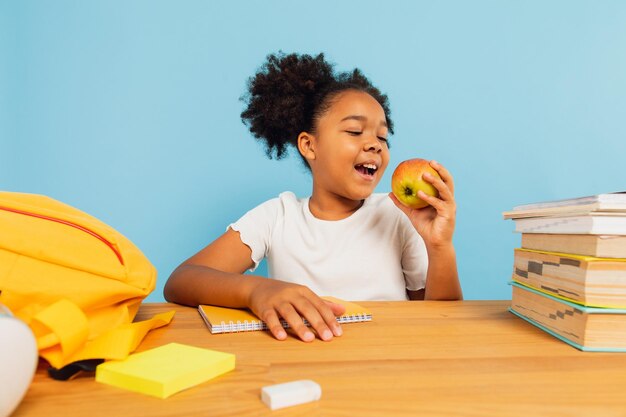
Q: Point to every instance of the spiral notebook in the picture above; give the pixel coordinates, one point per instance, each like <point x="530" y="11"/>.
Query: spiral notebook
<point x="231" y="320"/>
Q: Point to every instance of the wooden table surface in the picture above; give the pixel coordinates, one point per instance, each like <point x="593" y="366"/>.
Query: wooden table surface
<point x="429" y="358"/>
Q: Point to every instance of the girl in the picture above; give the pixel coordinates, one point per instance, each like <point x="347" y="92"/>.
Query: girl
<point x="343" y="240"/>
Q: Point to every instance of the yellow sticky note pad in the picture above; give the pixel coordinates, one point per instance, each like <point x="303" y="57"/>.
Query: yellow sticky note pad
<point x="165" y="370"/>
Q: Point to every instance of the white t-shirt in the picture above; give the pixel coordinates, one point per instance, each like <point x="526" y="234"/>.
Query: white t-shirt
<point x="374" y="254"/>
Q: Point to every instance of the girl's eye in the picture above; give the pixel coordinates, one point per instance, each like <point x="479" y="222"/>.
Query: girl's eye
<point x="382" y="139"/>
<point x="353" y="132"/>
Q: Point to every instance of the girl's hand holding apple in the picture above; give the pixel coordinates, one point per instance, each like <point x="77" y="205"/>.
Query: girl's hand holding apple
<point x="424" y="191"/>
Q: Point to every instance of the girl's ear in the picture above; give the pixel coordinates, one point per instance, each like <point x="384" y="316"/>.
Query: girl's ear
<point x="306" y="145"/>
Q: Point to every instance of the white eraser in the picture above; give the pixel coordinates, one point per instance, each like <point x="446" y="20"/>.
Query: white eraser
<point x="290" y="393"/>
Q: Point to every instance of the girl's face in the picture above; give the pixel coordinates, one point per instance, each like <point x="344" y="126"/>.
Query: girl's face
<point x="350" y="152"/>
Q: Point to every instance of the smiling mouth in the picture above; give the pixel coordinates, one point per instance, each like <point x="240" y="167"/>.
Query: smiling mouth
<point x="366" y="170"/>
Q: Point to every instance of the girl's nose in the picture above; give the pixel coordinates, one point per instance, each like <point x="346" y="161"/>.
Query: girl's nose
<point x="372" y="144"/>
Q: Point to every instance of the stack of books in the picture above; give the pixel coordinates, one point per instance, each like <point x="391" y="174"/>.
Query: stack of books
<point x="569" y="276"/>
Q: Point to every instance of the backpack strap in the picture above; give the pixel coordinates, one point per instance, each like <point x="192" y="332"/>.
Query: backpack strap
<point x="61" y="330"/>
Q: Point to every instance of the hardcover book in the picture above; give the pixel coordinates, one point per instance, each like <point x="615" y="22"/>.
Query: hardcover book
<point x="587" y="280"/>
<point x="608" y="202"/>
<point x="601" y="246"/>
<point x="586" y="328"/>
<point x="599" y="223"/>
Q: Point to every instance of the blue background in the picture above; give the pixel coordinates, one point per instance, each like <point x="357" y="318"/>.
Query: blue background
<point x="129" y="110"/>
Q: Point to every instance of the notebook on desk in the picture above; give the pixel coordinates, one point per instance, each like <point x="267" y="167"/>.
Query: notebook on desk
<point x="231" y="320"/>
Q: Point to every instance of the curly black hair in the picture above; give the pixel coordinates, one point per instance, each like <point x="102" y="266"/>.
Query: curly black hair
<point x="289" y="94"/>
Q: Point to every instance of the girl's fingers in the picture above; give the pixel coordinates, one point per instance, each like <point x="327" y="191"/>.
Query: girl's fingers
<point x="274" y="325"/>
<point x="329" y="315"/>
<point x="281" y="304"/>
<point x="337" y="309"/>
<point x="291" y="316"/>
<point x="437" y="203"/>
<point x="320" y="317"/>
<point x="444" y="174"/>
<point x="444" y="191"/>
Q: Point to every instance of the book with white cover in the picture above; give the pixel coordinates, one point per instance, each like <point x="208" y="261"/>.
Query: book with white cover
<point x="593" y="224"/>
<point x="608" y="202"/>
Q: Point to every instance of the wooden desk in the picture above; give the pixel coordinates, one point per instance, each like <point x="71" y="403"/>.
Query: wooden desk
<point x="469" y="358"/>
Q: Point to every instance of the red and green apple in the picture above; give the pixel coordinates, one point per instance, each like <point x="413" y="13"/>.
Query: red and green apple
<point x="407" y="180"/>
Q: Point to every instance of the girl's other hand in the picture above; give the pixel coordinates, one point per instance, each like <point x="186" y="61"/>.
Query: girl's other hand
<point x="272" y="300"/>
<point x="435" y="223"/>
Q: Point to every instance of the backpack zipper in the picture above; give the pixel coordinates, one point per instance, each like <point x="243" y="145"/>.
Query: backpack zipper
<point x="71" y="224"/>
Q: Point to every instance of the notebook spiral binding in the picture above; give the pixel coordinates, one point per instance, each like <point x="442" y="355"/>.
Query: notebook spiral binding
<point x="239" y="326"/>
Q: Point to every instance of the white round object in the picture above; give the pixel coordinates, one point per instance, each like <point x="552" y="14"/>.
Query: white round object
<point x="18" y="360"/>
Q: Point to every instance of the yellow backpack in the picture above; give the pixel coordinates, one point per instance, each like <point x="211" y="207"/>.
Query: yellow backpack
<point x="74" y="280"/>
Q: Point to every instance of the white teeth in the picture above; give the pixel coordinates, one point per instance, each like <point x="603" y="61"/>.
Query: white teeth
<point x="370" y="166"/>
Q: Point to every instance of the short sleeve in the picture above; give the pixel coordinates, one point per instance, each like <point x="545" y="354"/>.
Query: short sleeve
<point x="414" y="257"/>
<point x="255" y="228"/>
